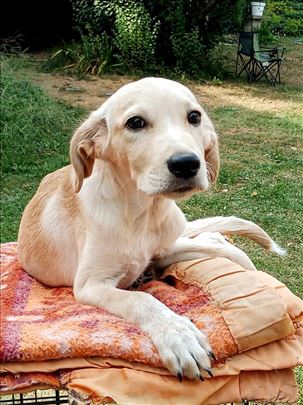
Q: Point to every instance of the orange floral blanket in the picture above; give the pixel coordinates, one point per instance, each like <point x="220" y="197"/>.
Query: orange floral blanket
<point x="237" y="309"/>
<point x="41" y="323"/>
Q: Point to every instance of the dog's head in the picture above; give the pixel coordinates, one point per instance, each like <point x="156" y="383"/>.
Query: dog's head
<point x="158" y="131"/>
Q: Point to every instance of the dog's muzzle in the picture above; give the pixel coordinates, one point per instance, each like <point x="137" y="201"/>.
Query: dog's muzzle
<point x="184" y="165"/>
<point x="184" y="176"/>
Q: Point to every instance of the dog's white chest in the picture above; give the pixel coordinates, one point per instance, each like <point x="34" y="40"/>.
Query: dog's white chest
<point x="136" y="254"/>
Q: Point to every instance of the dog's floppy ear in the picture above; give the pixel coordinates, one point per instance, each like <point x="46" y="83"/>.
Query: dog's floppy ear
<point x="211" y="149"/>
<point x="83" y="148"/>
<point x="212" y="160"/>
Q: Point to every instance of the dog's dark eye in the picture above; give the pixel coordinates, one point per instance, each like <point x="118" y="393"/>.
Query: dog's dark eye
<point x="136" y="123"/>
<point x="194" y="117"/>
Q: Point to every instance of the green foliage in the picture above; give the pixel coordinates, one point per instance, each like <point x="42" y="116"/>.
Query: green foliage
<point x="135" y="35"/>
<point x="189" y="30"/>
<point x="218" y="62"/>
<point x="239" y="13"/>
<point x="187" y="47"/>
<point x="178" y="35"/>
<point x="93" y="55"/>
<point x="90" y="16"/>
<point x="129" y="31"/>
<point x="282" y="17"/>
<point x="216" y="81"/>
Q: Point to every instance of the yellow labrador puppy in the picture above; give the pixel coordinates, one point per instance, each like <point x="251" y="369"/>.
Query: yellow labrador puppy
<point x="95" y="225"/>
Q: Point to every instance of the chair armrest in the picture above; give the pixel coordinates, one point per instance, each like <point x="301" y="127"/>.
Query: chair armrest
<point x="277" y="50"/>
<point x="270" y="53"/>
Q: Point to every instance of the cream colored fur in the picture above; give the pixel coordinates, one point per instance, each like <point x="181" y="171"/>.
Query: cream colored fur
<point x="95" y="225"/>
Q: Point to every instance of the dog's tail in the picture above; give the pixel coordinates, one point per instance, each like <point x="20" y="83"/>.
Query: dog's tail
<point x="234" y="226"/>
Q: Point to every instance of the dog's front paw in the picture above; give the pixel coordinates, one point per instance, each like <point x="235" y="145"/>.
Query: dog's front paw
<point x="183" y="349"/>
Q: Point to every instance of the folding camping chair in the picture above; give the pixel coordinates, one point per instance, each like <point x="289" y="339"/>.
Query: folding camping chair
<point x="257" y="61"/>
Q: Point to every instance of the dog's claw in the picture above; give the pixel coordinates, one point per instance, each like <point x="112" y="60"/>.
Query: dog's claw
<point x="198" y="364"/>
<point x="209" y="372"/>
<point x="201" y="378"/>
<point x="212" y="355"/>
<point x="180" y="376"/>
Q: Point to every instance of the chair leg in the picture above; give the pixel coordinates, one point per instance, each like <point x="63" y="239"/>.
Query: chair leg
<point x="237" y="61"/>
<point x="267" y="71"/>
<point x="253" y="71"/>
<point x="278" y="73"/>
<point x="246" y="66"/>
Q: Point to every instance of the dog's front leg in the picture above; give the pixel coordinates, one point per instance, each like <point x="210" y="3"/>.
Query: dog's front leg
<point x="183" y="349"/>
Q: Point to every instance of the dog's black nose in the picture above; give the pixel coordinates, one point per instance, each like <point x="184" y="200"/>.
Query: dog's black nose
<point x="184" y="165"/>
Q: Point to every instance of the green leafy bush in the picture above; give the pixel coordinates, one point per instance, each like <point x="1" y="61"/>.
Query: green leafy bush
<point x="189" y="30"/>
<point x="97" y="53"/>
<point x="135" y="35"/>
<point x="127" y="34"/>
<point x="90" y="16"/>
<point x="282" y="17"/>
<point x="92" y="55"/>
<point x="176" y="36"/>
<point x="187" y="47"/>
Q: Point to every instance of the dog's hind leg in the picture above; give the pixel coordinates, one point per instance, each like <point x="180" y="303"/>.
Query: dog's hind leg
<point x="205" y="245"/>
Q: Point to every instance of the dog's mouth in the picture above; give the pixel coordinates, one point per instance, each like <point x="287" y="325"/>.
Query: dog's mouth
<point x="174" y="188"/>
<point x="184" y="189"/>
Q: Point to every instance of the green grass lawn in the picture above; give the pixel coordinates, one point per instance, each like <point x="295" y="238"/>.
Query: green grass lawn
<point x="35" y="137"/>
<point x="260" y="179"/>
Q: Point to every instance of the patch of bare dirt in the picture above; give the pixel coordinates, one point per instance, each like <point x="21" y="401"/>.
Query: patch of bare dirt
<point x="89" y="94"/>
<point x="240" y="96"/>
<point x="258" y="97"/>
<point x="92" y="93"/>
